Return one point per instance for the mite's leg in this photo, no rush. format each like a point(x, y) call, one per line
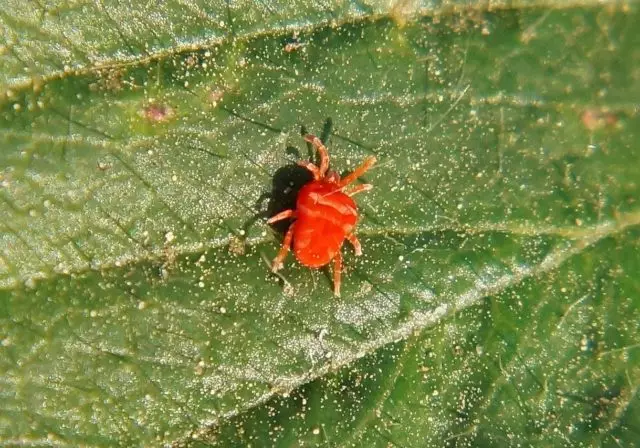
point(322, 150)
point(355, 243)
point(282, 215)
point(368, 163)
point(337, 272)
point(360, 188)
point(311, 167)
point(284, 249)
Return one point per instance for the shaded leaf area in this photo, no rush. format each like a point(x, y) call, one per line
point(552, 361)
point(137, 304)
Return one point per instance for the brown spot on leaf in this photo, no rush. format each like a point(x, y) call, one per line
point(215, 96)
point(236, 246)
point(158, 112)
point(594, 119)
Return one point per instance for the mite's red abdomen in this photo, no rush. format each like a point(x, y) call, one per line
point(325, 215)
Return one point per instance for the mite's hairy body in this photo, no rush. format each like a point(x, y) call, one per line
point(325, 216)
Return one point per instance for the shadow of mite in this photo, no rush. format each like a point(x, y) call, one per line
point(286, 183)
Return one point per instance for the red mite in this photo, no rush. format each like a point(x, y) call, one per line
point(325, 216)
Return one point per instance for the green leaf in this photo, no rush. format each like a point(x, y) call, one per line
point(496, 302)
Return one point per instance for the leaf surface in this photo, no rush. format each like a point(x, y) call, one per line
point(496, 301)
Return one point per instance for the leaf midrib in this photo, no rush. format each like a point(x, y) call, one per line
point(16, 85)
point(586, 235)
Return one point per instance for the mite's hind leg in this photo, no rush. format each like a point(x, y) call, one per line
point(282, 215)
point(359, 189)
point(337, 273)
point(284, 249)
point(355, 243)
point(311, 167)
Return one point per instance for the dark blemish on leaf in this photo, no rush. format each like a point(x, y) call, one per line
point(293, 44)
